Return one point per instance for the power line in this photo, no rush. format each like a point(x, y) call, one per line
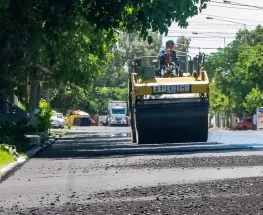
point(241, 4)
point(231, 18)
point(237, 4)
point(212, 48)
point(209, 23)
point(199, 22)
point(242, 8)
point(212, 23)
point(208, 39)
point(201, 32)
point(198, 37)
point(198, 47)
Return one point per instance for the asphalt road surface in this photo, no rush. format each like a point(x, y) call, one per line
point(97, 170)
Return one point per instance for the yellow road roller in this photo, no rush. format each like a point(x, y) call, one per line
point(171, 105)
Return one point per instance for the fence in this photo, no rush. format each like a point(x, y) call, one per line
point(220, 120)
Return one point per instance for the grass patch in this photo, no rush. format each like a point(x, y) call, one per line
point(5, 158)
point(8, 154)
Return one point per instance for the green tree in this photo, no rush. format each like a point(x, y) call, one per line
point(237, 69)
point(68, 97)
point(182, 45)
point(44, 120)
point(253, 100)
point(115, 77)
point(219, 102)
point(46, 43)
point(143, 15)
point(132, 45)
point(43, 51)
point(111, 83)
point(36, 40)
point(99, 98)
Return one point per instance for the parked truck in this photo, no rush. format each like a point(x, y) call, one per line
point(117, 113)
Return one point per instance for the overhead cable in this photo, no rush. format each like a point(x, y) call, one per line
point(225, 17)
point(237, 4)
point(242, 8)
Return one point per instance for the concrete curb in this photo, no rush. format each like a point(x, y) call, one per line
point(4, 171)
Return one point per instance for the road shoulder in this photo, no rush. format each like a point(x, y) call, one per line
point(11, 167)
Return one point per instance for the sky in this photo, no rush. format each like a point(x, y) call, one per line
point(213, 32)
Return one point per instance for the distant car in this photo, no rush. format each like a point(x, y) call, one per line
point(57, 120)
point(245, 124)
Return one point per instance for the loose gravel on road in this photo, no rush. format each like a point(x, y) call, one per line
point(193, 162)
point(242, 196)
point(66, 179)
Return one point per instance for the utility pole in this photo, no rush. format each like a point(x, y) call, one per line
point(245, 27)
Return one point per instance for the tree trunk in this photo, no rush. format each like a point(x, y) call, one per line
point(34, 101)
point(217, 120)
point(48, 96)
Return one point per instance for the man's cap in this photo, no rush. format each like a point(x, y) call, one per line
point(169, 42)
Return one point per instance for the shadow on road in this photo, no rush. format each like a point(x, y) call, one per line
point(96, 145)
point(88, 137)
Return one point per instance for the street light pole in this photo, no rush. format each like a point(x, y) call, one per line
point(245, 27)
point(245, 33)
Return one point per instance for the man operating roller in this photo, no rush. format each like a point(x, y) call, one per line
point(168, 54)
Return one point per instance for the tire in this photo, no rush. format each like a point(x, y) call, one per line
point(134, 134)
point(154, 125)
point(131, 110)
point(202, 135)
point(141, 137)
point(133, 127)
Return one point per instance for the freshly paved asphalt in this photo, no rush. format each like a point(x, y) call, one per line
point(94, 170)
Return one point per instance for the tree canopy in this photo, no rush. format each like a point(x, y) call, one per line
point(47, 44)
point(236, 72)
point(69, 40)
point(141, 16)
point(112, 83)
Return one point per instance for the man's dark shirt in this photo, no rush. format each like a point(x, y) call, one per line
point(162, 55)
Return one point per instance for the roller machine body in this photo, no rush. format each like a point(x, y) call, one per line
point(169, 106)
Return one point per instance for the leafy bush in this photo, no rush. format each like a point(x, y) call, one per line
point(253, 100)
point(44, 119)
point(5, 158)
point(22, 107)
point(15, 136)
point(9, 149)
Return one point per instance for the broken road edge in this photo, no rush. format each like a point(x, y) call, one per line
point(11, 167)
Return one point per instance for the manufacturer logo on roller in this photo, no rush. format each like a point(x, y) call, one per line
point(172, 88)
